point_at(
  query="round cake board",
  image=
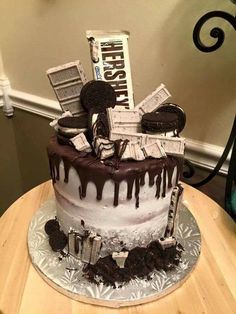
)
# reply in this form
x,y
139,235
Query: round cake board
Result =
x,y
65,274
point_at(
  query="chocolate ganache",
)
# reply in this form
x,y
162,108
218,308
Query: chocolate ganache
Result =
x,y
91,169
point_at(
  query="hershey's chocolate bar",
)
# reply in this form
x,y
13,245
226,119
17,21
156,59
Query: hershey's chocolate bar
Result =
x,y
110,62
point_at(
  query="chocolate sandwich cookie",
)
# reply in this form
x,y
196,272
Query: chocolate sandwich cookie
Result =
x,y
159,122
176,109
71,126
96,96
57,240
51,226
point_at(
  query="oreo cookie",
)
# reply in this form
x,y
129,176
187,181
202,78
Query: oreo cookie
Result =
x,y
167,118
80,122
159,122
71,126
96,96
57,241
174,108
51,226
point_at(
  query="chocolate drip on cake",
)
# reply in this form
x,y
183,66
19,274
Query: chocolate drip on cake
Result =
x,y
90,169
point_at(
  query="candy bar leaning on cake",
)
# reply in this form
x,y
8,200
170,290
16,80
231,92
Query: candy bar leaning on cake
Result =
x,y
115,174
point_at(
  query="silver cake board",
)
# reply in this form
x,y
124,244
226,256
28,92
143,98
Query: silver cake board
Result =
x,y
66,275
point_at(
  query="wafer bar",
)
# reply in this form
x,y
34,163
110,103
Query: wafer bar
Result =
x,y
154,100
110,62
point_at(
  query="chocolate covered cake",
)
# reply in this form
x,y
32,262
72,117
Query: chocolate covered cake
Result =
x,y
115,173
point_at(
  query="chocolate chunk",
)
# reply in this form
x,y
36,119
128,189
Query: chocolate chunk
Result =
x,y
80,122
57,240
174,108
160,122
51,226
96,96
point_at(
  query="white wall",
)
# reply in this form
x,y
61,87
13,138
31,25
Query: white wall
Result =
x,y
38,34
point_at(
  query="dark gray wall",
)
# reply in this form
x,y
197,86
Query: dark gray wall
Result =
x,y
23,159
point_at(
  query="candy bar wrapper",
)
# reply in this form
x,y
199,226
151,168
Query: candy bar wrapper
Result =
x,y
110,62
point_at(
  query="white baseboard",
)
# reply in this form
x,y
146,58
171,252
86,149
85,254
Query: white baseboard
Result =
x,y
200,153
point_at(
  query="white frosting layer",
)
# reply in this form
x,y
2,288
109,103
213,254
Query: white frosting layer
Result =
x,y
133,226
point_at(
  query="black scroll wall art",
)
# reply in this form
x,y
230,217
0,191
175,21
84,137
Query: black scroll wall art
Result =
x,y
230,189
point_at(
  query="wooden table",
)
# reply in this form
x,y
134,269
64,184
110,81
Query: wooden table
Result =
x,y
211,288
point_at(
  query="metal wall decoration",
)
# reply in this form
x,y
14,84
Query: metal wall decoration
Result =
x,y
216,32
230,192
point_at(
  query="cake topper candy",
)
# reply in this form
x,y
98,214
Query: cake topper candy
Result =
x,y
123,120
96,96
169,238
155,99
110,62
71,126
171,145
133,151
160,122
104,148
67,81
154,150
80,143
174,109
120,258
54,123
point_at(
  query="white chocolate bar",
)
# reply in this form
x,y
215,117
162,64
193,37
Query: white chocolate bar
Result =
x,y
120,258
154,150
62,74
67,81
172,145
133,151
175,203
167,242
179,204
80,142
87,249
154,100
139,138
74,106
68,91
123,120
96,247
110,62
74,244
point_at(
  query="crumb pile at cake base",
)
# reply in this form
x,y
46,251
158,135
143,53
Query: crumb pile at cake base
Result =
x,y
115,168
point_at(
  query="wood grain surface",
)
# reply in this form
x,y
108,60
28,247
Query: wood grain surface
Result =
x,y
211,288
